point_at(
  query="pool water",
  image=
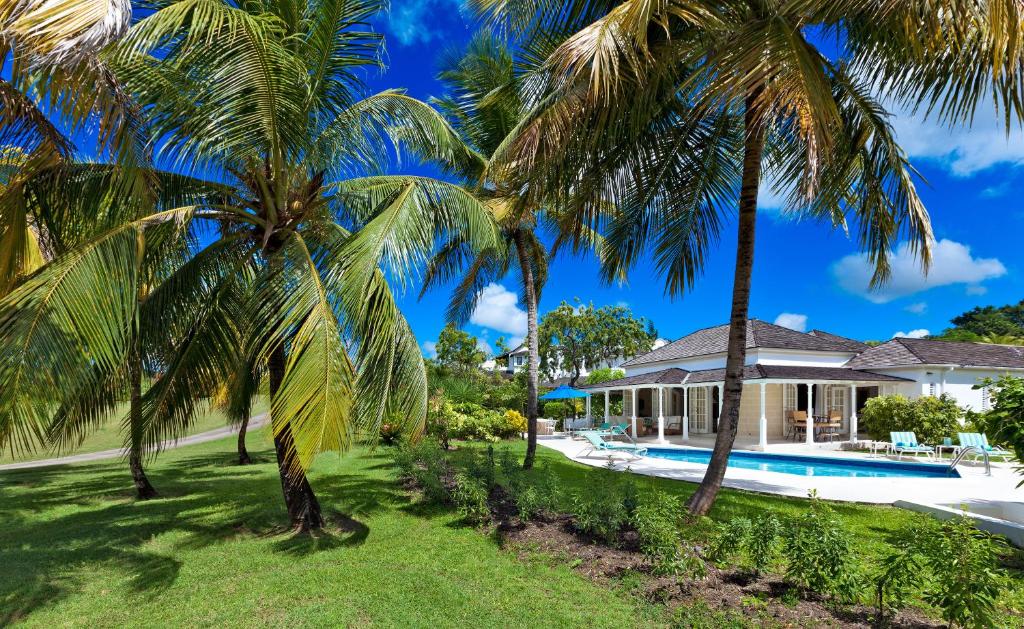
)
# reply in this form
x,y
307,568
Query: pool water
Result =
x,y
802,465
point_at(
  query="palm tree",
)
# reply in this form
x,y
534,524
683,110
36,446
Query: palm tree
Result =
x,y
691,105
483,105
65,31
294,229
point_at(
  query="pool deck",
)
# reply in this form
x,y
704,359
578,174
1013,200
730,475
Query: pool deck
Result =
x,y
973,485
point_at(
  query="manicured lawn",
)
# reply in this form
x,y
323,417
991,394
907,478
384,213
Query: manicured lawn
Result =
x,y
110,436
76,549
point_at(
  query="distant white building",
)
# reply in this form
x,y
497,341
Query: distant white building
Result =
x,y
518,358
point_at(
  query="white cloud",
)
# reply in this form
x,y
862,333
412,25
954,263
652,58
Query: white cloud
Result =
x,y
516,341
430,349
999,190
913,334
660,342
962,150
976,289
484,347
792,321
497,309
917,308
952,263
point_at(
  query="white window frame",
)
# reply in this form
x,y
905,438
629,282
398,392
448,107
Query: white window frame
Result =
x,y
790,397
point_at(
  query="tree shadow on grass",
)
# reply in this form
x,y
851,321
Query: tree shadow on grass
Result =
x,y
56,523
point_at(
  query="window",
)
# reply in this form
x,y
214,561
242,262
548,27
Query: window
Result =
x,y
836,396
931,389
789,397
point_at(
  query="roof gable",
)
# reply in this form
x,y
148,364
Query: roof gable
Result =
x,y
903,352
760,334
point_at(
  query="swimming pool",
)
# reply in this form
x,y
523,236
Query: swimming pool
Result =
x,y
802,465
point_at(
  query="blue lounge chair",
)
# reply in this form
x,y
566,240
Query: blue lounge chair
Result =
x,y
598,444
906,442
980,441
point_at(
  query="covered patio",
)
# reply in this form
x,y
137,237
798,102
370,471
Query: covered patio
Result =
x,y
678,406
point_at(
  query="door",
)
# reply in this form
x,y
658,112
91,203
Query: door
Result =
x,y
699,410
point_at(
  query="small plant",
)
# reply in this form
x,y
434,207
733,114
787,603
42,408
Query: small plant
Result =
x,y
729,539
819,551
424,464
966,582
470,497
600,513
483,468
761,544
656,520
390,434
893,583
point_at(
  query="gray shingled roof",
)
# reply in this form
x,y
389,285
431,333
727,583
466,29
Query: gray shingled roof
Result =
x,y
750,372
759,334
851,344
904,352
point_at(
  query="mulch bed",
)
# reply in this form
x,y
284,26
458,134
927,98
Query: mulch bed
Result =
x,y
763,599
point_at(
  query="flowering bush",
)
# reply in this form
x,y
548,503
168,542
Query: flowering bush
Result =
x,y
473,422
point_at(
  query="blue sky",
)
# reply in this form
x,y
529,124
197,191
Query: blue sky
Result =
x,y
806,274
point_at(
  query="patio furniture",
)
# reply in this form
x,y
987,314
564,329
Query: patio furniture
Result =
x,y
545,426
832,424
799,424
874,447
980,442
598,444
906,443
947,444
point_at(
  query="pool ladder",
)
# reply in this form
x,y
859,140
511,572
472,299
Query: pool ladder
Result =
x,y
964,452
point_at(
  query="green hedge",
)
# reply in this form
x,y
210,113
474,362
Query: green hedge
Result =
x,y
930,418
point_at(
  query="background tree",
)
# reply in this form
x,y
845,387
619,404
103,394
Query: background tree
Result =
x,y
691,105
987,324
458,350
501,350
574,338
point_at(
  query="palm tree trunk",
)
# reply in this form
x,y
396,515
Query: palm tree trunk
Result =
x,y
303,507
143,488
530,291
243,454
704,497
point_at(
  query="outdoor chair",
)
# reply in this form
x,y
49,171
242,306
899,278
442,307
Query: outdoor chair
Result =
x,y
906,443
798,424
598,444
980,441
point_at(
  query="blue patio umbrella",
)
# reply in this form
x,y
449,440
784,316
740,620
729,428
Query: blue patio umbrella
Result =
x,y
564,392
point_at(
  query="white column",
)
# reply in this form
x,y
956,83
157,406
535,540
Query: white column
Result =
x,y
686,413
762,424
606,405
588,407
718,420
853,412
810,413
661,415
632,395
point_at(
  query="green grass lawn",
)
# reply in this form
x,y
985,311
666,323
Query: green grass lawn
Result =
x,y
110,436
76,549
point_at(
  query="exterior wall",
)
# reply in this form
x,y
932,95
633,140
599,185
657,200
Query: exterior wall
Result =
x,y
789,357
958,382
750,411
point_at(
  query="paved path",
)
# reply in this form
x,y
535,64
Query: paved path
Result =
x,y
203,437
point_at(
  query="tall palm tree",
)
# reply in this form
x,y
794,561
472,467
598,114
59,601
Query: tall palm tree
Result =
x,y
484,104
691,105
294,228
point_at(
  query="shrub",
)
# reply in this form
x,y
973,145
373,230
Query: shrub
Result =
x,y
966,582
424,464
819,552
470,497
473,422
762,542
539,496
1004,423
930,418
894,581
390,434
557,410
656,520
600,512
729,539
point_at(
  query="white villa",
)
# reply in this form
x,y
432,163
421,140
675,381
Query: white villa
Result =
x,y
789,375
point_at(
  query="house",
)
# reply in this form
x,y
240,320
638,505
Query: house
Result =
x,y
677,388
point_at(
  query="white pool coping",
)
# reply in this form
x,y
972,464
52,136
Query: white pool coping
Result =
x,y
972,485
